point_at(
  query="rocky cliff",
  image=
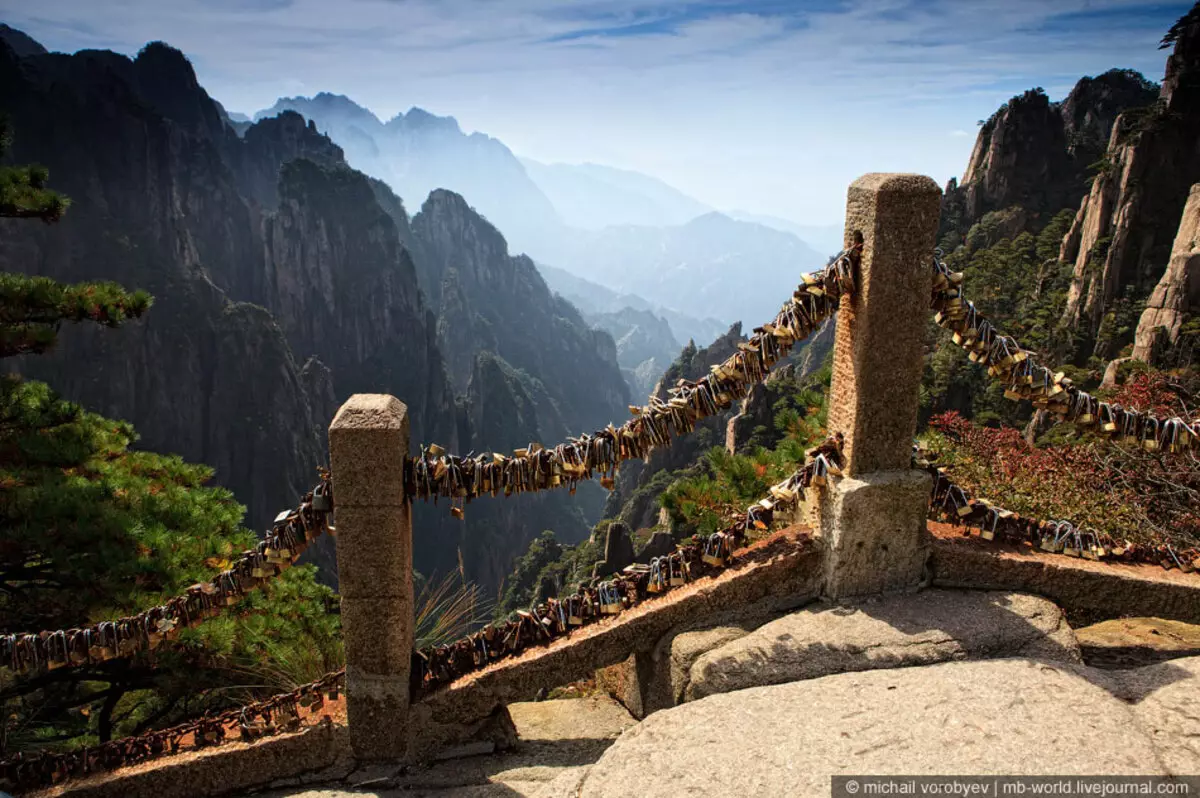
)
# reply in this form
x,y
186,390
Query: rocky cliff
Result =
x,y
285,281
1175,301
1120,242
205,376
1035,154
486,299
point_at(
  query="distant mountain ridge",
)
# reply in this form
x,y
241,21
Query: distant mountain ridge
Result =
x,y
591,196
712,266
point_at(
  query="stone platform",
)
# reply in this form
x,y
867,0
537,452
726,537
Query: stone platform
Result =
x,y
1010,716
822,639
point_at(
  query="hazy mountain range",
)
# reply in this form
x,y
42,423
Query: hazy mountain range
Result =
x,y
626,231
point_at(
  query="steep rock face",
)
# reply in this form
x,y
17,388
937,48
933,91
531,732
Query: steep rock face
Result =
x,y
487,299
1035,154
273,142
1176,298
1121,239
210,379
1020,152
345,289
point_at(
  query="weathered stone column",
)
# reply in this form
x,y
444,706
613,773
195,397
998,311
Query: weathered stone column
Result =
x,y
872,519
368,441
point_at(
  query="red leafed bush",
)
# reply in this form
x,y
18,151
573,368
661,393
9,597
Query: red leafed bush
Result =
x,y
1114,487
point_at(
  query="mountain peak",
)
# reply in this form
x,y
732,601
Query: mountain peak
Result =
x,y
20,42
420,119
323,102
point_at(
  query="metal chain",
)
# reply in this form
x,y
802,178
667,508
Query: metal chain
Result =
x,y
291,533
435,666
1025,378
276,715
950,502
434,474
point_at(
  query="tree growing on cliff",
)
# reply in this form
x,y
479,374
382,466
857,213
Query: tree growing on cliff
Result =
x,y
91,530
32,309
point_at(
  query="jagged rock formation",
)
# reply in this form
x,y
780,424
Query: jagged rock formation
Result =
x,y
618,551
488,300
205,376
1121,239
263,250
645,345
1176,298
418,152
1034,154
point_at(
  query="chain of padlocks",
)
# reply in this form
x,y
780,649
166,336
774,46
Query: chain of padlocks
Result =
x,y
554,618
950,502
1024,378
291,533
279,714
434,473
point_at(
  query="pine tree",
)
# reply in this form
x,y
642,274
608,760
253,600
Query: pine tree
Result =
x,y
91,530
33,308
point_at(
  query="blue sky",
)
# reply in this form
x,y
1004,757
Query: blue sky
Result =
x,y
768,106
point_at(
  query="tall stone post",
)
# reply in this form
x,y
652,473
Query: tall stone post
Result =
x,y
368,441
872,519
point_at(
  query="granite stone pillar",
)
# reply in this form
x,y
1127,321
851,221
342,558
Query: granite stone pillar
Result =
x,y
872,519
368,441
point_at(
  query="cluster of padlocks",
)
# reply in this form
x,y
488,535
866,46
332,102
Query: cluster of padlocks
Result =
x,y
1024,378
950,502
435,474
293,530
281,713
557,617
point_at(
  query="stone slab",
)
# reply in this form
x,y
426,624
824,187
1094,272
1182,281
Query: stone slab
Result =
x,y
570,719
1114,589
1133,642
1162,698
977,718
893,632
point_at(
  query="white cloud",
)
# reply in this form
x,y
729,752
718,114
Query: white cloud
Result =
x,y
749,104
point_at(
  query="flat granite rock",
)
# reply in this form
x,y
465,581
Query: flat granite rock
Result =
x,y
897,631
1005,716
1133,642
